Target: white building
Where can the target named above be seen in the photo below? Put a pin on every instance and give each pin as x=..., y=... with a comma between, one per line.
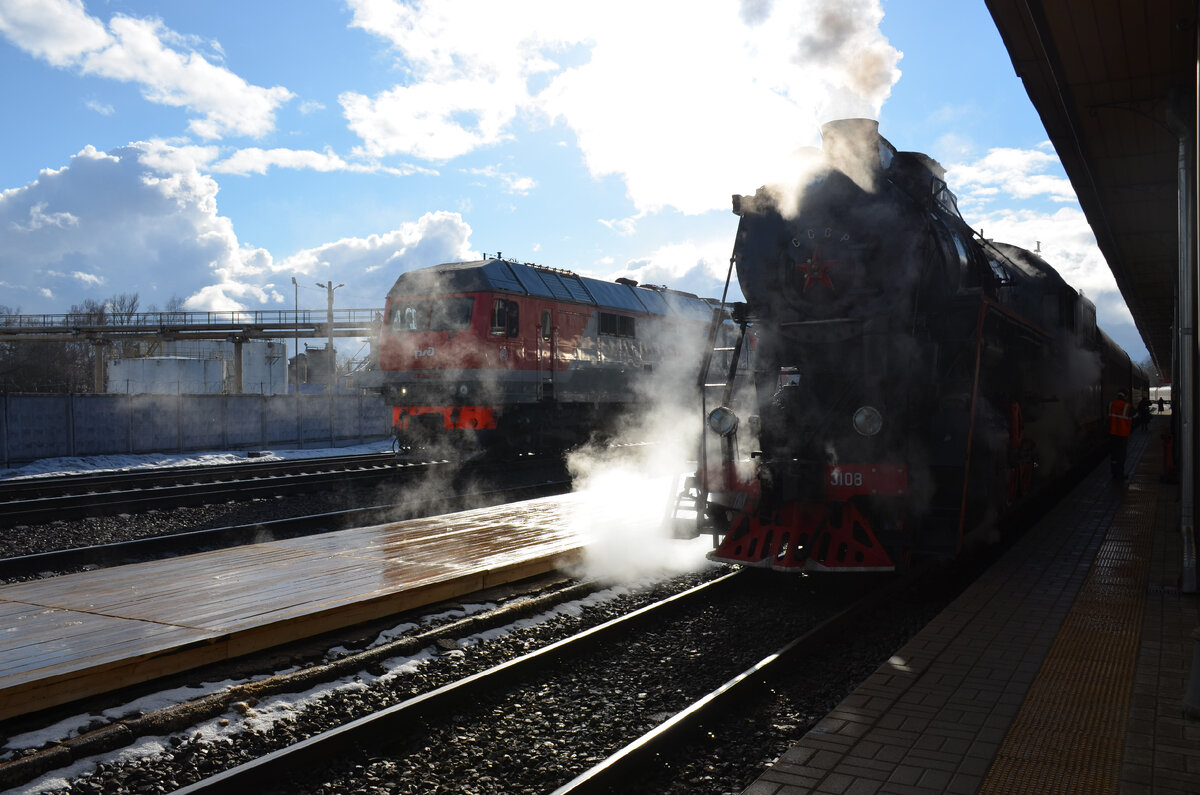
x=200, y=367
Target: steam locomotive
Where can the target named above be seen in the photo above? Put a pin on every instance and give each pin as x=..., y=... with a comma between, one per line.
x=913, y=382
x=496, y=355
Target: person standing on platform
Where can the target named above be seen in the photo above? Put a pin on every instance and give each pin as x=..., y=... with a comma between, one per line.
x=1120, y=424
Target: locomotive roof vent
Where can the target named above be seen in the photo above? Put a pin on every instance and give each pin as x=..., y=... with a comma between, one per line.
x=623, y=280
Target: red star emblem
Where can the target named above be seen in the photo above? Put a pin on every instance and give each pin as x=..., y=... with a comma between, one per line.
x=817, y=270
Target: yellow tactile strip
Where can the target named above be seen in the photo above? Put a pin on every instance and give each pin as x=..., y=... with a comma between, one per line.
x=1069, y=733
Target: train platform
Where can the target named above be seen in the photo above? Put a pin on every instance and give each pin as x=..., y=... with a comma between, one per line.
x=1062, y=669
x=82, y=634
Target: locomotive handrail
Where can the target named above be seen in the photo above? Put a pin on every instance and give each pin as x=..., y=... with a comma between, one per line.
x=825, y=322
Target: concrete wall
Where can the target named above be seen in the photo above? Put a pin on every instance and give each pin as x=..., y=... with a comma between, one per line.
x=57, y=426
x=201, y=367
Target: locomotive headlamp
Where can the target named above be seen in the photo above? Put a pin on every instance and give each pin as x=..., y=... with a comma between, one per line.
x=462, y=390
x=722, y=421
x=868, y=421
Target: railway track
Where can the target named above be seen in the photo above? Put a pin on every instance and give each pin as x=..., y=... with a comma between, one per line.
x=530, y=707
x=73, y=497
x=586, y=731
x=188, y=542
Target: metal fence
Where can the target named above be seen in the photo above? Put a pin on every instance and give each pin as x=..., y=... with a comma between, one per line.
x=67, y=425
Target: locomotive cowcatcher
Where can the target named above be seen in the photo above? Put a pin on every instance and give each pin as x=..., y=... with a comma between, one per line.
x=913, y=381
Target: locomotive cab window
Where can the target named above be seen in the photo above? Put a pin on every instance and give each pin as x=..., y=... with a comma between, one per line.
x=450, y=314
x=443, y=314
x=505, y=318
x=617, y=325
x=409, y=316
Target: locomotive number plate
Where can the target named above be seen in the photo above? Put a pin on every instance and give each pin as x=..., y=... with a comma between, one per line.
x=882, y=480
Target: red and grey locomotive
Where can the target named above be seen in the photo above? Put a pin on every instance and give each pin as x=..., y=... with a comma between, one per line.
x=501, y=354
x=913, y=381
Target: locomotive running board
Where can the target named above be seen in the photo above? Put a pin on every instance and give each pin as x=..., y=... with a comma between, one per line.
x=806, y=537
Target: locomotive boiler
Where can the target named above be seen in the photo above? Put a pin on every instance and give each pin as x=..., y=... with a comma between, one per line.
x=913, y=381
x=497, y=355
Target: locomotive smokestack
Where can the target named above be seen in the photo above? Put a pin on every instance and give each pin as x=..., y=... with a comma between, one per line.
x=855, y=147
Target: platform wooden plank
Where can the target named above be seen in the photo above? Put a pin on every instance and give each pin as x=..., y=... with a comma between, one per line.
x=73, y=636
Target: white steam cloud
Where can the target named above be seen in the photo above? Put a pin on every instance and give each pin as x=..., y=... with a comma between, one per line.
x=722, y=93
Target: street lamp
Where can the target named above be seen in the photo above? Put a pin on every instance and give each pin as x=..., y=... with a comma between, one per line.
x=296, y=320
x=330, y=287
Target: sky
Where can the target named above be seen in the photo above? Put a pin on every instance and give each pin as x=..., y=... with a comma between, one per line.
x=209, y=152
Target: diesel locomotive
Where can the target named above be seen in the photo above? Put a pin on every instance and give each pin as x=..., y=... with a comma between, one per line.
x=497, y=355
x=913, y=382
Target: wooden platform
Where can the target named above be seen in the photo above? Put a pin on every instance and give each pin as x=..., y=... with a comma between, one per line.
x=74, y=636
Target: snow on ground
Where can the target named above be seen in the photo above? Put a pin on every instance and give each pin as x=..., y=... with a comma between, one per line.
x=271, y=709
x=126, y=463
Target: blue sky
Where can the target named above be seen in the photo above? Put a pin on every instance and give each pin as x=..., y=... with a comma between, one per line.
x=211, y=151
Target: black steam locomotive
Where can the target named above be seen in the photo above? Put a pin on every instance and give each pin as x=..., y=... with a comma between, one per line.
x=913, y=382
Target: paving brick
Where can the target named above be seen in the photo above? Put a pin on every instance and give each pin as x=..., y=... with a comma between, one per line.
x=961, y=784
x=906, y=774
x=934, y=717
x=762, y=787
x=836, y=783
x=797, y=755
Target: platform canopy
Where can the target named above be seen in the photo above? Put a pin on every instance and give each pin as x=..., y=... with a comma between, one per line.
x=1115, y=83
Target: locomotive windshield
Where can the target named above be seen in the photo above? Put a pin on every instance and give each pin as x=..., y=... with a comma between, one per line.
x=442, y=314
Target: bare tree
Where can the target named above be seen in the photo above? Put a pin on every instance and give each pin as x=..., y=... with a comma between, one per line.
x=122, y=308
x=1151, y=371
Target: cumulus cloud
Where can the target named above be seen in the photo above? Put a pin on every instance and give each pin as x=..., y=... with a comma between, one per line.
x=143, y=218
x=375, y=261
x=1063, y=233
x=140, y=219
x=658, y=94
x=143, y=51
x=696, y=267
x=1012, y=173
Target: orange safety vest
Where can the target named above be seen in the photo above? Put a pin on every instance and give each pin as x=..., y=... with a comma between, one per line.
x=1120, y=422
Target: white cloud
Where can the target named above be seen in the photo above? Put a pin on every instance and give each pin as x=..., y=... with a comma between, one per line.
x=1016, y=173
x=143, y=51
x=102, y=108
x=513, y=183
x=38, y=218
x=59, y=32
x=1017, y=176
x=155, y=229
x=625, y=227
x=155, y=221
x=434, y=238
x=698, y=267
x=686, y=102
x=89, y=279
x=253, y=160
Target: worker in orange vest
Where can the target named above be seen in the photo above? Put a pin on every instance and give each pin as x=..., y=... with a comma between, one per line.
x=1120, y=424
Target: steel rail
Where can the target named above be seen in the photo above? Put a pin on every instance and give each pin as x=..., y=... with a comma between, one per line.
x=387, y=726
x=57, y=485
x=610, y=775
x=250, y=484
